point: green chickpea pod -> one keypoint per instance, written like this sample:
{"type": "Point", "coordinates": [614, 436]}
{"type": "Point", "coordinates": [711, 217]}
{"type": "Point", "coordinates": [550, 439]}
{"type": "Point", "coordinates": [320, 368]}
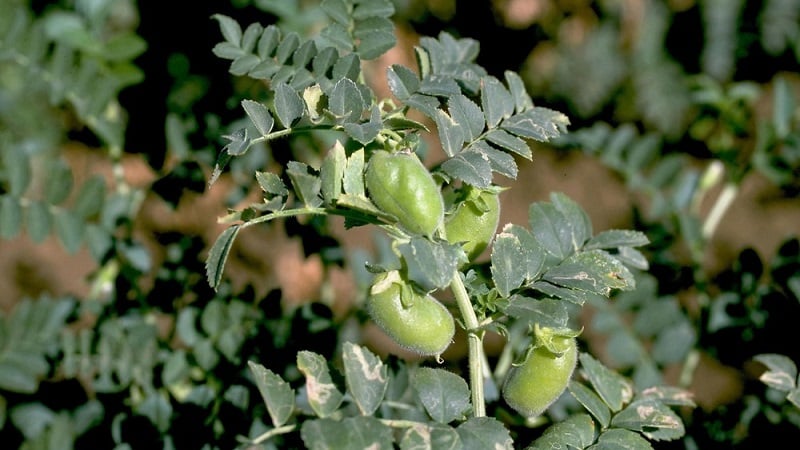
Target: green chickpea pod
{"type": "Point", "coordinates": [417, 322]}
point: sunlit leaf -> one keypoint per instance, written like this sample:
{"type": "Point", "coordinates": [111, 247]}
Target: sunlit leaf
{"type": "Point", "coordinates": [403, 82]}
{"type": "Point", "coordinates": [230, 28]}
{"type": "Point", "coordinates": [353, 182]}
{"type": "Point", "coordinates": [520, 95]}
{"type": "Point", "coordinates": [323, 396]}
{"type": "Point", "coordinates": [305, 184]}
{"type": "Point", "coordinates": [324, 61]}
{"type": "Point", "coordinates": [348, 66]}
{"type": "Point", "coordinates": [509, 142]}
{"type": "Point", "coordinates": [470, 166]}
{"type": "Point", "coordinates": [451, 134]}
{"type": "Point", "coordinates": [366, 377]}
{"type": "Point", "coordinates": [467, 114]}
{"type": "Point", "coordinates": [277, 394]}
{"type": "Point", "coordinates": [499, 161]}
{"type": "Point", "coordinates": [496, 101]}
{"type": "Point", "coordinates": [509, 263]}
{"type": "Point", "coordinates": [332, 172]}
{"type": "Point", "coordinates": [538, 123]}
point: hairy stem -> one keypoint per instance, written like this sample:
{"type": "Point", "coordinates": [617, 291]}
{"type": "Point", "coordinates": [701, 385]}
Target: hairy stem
{"type": "Point", "coordinates": [475, 343]}
{"type": "Point", "coordinates": [274, 432]}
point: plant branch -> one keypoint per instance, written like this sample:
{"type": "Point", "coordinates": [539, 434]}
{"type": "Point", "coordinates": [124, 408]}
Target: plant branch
{"type": "Point", "coordinates": [274, 432]}
{"type": "Point", "coordinates": [724, 201]}
{"type": "Point", "coordinates": [475, 343]}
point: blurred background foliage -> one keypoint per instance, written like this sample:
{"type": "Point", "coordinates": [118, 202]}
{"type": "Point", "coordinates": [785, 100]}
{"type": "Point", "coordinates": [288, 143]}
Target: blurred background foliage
{"type": "Point", "coordinates": [111, 117]}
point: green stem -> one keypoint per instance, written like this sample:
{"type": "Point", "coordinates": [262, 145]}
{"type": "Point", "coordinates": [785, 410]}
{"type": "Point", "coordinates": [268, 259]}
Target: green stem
{"type": "Point", "coordinates": [274, 432]}
{"type": "Point", "coordinates": [400, 423]}
{"type": "Point", "coordinates": [282, 214]}
{"type": "Point", "coordinates": [287, 131]}
{"type": "Point", "coordinates": [688, 370]}
{"type": "Point", "coordinates": [475, 343]}
{"type": "Point", "coordinates": [722, 204]}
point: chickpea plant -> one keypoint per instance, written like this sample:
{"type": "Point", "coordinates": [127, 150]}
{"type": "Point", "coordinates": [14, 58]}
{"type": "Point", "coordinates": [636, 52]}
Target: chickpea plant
{"type": "Point", "coordinates": [439, 220]}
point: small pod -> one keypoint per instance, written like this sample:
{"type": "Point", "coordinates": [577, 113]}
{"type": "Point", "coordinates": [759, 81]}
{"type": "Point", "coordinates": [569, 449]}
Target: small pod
{"type": "Point", "coordinates": [399, 184]}
{"type": "Point", "coordinates": [474, 222]}
{"type": "Point", "coordinates": [533, 386]}
{"type": "Point", "coordinates": [416, 322]}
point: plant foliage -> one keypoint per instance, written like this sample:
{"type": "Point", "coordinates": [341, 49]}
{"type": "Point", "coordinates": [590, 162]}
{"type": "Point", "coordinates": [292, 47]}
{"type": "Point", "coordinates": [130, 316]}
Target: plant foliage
{"type": "Point", "coordinates": [165, 350]}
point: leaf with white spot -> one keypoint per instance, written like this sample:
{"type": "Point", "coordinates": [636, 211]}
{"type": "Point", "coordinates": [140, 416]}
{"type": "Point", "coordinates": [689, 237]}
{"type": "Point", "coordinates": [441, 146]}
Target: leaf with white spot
{"type": "Point", "coordinates": [781, 373]}
{"type": "Point", "coordinates": [323, 396]}
{"type": "Point", "coordinates": [651, 418]}
{"type": "Point", "coordinates": [595, 271]}
{"type": "Point", "coordinates": [366, 377]}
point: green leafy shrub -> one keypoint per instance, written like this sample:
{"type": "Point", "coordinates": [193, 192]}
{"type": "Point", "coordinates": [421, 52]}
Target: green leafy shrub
{"type": "Point", "coordinates": [157, 355]}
